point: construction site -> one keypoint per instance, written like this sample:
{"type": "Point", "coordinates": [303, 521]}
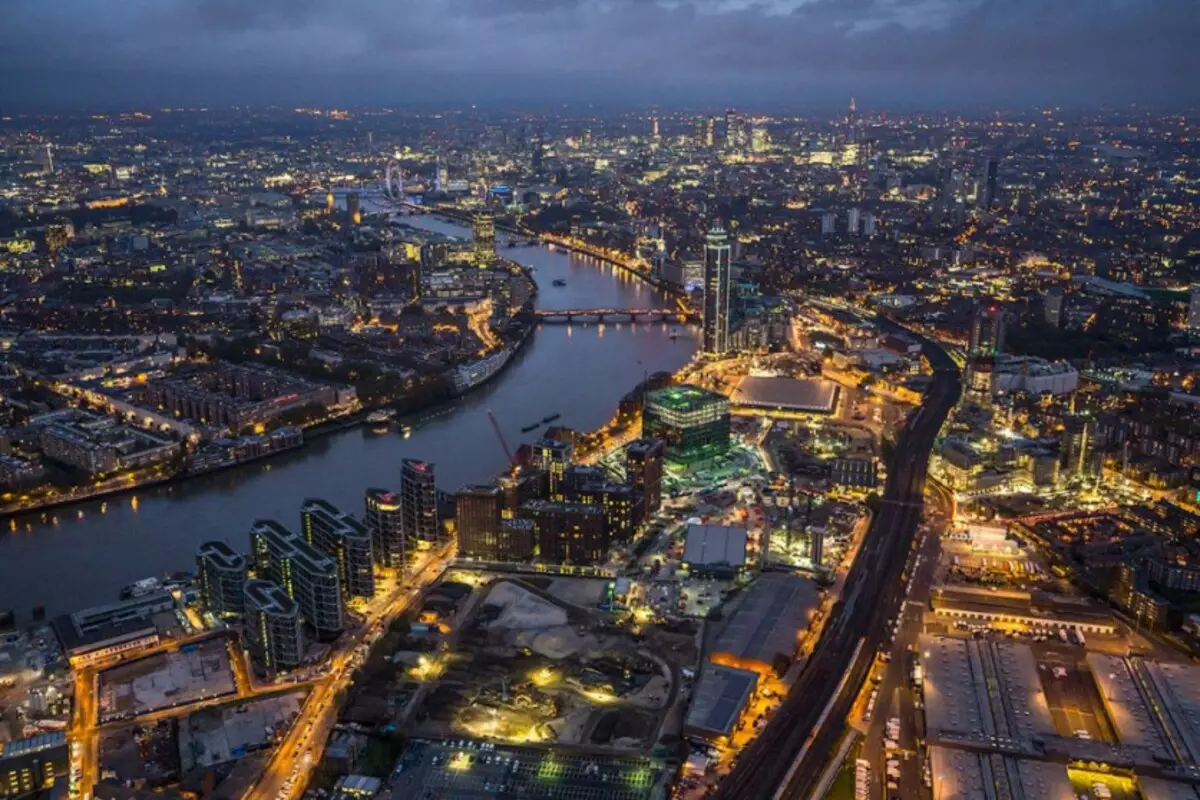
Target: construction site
{"type": "Point", "coordinates": [532, 660]}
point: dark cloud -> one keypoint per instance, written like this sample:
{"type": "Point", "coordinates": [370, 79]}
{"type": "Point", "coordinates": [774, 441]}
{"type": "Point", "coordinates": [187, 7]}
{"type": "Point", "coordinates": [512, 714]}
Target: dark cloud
{"type": "Point", "coordinates": [781, 52]}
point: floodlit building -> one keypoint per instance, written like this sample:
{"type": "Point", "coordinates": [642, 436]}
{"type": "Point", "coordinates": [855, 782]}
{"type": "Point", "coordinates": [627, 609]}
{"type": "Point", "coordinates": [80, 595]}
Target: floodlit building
{"type": "Point", "coordinates": [221, 574]}
{"type": "Point", "coordinates": [693, 422]}
{"type": "Point", "coordinates": [273, 632]}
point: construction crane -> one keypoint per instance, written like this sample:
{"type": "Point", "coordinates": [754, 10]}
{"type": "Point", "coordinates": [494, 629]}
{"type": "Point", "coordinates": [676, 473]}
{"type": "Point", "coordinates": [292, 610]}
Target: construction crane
{"type": "Point", "coordinates": [512, 461]}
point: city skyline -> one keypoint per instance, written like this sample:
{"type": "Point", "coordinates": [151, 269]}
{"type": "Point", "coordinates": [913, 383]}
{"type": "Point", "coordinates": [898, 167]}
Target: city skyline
{"type": "Point", "coordinates": [784, 54]}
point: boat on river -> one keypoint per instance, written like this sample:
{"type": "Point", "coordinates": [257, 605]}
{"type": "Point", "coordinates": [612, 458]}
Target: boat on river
{"type": "Point", "coordinates": [558, 282]}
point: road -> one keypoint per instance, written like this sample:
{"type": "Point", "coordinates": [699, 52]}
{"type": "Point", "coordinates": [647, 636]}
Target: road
{"type": "Point", "coordinates": [84, 733]}
{"type": "Point", "coordinates": [291, 766]}
{"type": "Point", "coordinates": [897, 696]}
{"type": "Point", "coordinates": [786, 760]}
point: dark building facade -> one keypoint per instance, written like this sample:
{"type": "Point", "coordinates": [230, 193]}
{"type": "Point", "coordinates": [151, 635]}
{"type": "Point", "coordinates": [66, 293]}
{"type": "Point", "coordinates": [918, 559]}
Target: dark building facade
{"type": "Point", "coordinates": [220, 574]}
{"type": "Point", "coordinates": [567, 533]}
{"type": "Point", "coordinates": [644, 470]}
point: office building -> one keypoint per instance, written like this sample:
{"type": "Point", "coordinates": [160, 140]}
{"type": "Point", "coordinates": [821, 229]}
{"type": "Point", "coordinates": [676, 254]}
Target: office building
{"type": "Point", "coordinates": [308, 576]}
{"type": "Point", "coordinates": [29, 766]}
{"type": "Point", "coordinates": [553, 457]}
{"type": "Point", "coordinates": [1052, 307]}
{"type": "Point", "coordinates": [353, 211]}
{"type": "Point", "coordinates": [567, 533]}
{"type": "Point", "coordinates": [527, 483]}
{"type": "Point", "coordinates": [622, 505]}
{"type": "Point", "coordinates": [385, 520]}
{"type": "Point", "coordinates": [1077, 447]}
{"type": "Point", "coordinates": [643, 470]}
{"type": "Point", "coordinates": [693, 422]}
{"type": "Point", "coordinates": [221, 573]}
{"type": "Point", "coordinates": [816, 545]}
{"type": "Point", "coordinates": [828, 223]}
{"type": "Point", "coordinates": [1193, 317]}
{"type": "Point", "coordinates": [852, 221]}
{"type": "Point", "coordinates": [987, 332]}
{"type": "Point", "coordinates": [273, 632]}
{"type": "Point", "coordinates": [990, 186]}
{"type": "Point", "coordinates": [479, 512]}
{"type": "Point", "coordinates": [735, 132]}
{"type": "Point", "coordinates": [869, 221]}
{"type": "Point", "coordinates": [418, 504]}
{"type": "Point", "coordinates": [346, 540]}
{"type": "Point", "coordinates": [98, 634]}
{"type": "Point", "coordinates": [483, 239]}
{"type": "Point", "coordinates": [716, 292]}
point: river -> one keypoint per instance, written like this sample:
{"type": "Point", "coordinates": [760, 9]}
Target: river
{"type": "Point", "coordinates": [82, 555]}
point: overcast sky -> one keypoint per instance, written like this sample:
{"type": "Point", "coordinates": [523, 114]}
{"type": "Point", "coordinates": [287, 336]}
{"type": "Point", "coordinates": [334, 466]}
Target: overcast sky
{"type": "Point", "coordinates": [772, 54]}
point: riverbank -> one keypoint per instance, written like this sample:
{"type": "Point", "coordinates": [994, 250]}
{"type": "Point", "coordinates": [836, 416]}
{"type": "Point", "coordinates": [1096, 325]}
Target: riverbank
{"type": "Point", "coordinates": [311, 435]}
{"type": "Point", "coordinates": [581, 371]}
{"type": "Point", "coordinates": [557, 241]}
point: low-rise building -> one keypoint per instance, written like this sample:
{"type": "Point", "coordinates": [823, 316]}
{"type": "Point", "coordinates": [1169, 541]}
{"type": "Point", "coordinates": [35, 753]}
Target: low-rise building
{"type": "Point", "coordinates": [99, 445]}
{"type": "Point", "coordinates": [715, 551]}
{"type": "Point", "coordinates": [719, 700]}
{"type": "Point", "coordinates": [98, 633]}
{"type": "Point", "coordinates": [29, 766]}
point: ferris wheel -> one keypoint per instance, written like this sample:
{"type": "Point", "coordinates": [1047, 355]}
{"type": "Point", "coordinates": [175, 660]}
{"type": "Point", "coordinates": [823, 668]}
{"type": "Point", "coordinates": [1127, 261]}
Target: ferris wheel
{"type": "Point", "coordinates": [393, 184]}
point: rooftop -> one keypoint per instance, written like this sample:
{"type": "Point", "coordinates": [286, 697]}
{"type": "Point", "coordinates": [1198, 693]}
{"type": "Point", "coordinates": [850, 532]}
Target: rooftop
{"type": "Point", "coordinates": [791, 394]}
{"type": "Point", "coordinates": [269, 597]}
{"type": "Point", "coordinates": [720, 695]}
{"type": "Point", "coordinates": [715, 544]}
{"type": "Point", "coordinates": [683, 397]}
{"type": "Point", "coordinates": [222, 555]}
{"type": "Point", "coordinates": [125, 620]}
{"type": "Point", "coordinates": [766, 624]}
{"type": "Point", "coordinates": [34, 744]}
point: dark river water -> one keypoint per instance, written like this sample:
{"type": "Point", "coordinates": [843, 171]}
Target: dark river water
{"type": "Point", "coordinates": [83, 555]}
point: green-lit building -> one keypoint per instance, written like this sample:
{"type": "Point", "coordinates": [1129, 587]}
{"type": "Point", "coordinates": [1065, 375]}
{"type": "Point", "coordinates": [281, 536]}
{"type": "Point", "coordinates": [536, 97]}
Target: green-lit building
{"type": "Point", "coordinates": [694, 423]}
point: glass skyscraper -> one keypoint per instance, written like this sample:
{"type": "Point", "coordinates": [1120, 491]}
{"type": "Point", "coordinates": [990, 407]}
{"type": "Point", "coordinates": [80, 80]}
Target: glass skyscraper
{"type": "Point", "coordinates": [716, 292]}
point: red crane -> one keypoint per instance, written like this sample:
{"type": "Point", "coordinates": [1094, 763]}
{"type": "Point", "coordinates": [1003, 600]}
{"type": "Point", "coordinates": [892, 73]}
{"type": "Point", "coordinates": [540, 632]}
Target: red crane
{"type": "Point", "coordinates": [512, 461]}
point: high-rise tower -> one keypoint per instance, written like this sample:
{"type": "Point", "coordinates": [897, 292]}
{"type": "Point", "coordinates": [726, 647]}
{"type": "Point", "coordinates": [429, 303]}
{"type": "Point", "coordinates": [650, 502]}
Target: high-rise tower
{"type": "Point", "coordinates": [418, 504]}
{"type": "Point", "coordinates": [483, 235]}
{"type": "Point", "coordinates": [716, 291]}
